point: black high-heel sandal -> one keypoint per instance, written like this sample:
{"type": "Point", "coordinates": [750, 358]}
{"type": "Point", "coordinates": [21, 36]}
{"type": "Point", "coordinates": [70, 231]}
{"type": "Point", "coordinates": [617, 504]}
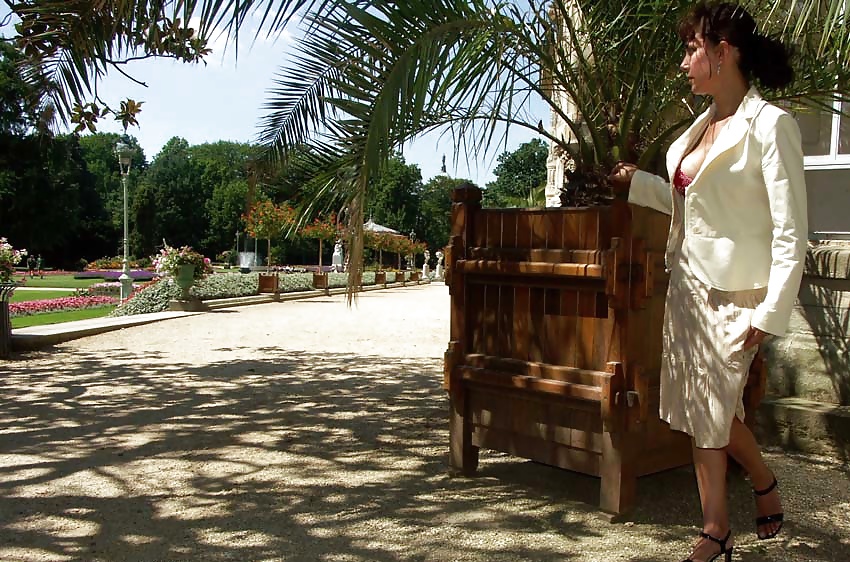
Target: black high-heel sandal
{"type": "Point", "coordinates": [768, 519]}
{"type": "Point", "coordinates": [723, 549]}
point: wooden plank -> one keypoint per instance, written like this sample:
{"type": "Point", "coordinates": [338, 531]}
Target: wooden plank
{"type": "Point", "coordinates": [551, 336]}
{"type": "Point", "coordinates": [570, 231]}
{"type": "Point", "coordinates": [592, 304]}
{"type": "Point", "coordinates": [523, 230]}
{"type": "Point", "coordinates": [591, 228]}
{"type": "Point", "coordinates": [618, 471]}
{"type": "Point", "coordinates": [549, 255]}
{"type": "Point", "coordinates": [531, 369]}
{"type": "Point", "coordinates": [509, 230]}
{"type": "Point", "coordinates": [531, 384]}
{"type": "Point", "coordinates": [491, 409]}
{"type": "Point", "coordinates": [537, 230]}
{"type": "Point", "coordinates": [463, 455]}
{"type": "Point", "coordinates": [586, 336]}
{"type": "Point", "coordinates": [535, 336]}
{"type": "Point", "coordinates": [612, 404]}
{"type": "Point", "coordinates": [522, 322]}
{"type": "Point", "coordinates": [505, 321]}
{"type": "Point", "coordinates": [585, 462]}
{"type": "Point", "coordinates": [478, 234]}
{"type": "Point", "coordinates": [491, 267]}
{"type": "Point", "coordinates": [489, 321]}
{"type": "Point", "coordinates": [569, 329]}
{"type": "Point", "coordinates": [581, 228]}
{"type": "Point", "coordinates": [493, 220]}
{"type": "Point", "coordinates": [475, 318]}
{"type": "Point", "coordinates": [553, 224]}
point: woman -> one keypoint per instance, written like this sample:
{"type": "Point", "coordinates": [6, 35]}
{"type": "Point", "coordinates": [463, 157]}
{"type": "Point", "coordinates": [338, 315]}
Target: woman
{"type": "Point", "coordinates": [735, 251]}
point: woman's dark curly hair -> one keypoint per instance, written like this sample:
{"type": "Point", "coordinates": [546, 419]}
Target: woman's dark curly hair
{"type": "Point", "coordinates": [765, 58]}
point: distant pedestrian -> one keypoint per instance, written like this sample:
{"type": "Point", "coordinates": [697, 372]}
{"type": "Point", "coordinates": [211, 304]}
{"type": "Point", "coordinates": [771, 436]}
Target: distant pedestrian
{"type": "Point", "coordinates": [31, 266]}
{"type": "Point", "coordinates": [38, 266]}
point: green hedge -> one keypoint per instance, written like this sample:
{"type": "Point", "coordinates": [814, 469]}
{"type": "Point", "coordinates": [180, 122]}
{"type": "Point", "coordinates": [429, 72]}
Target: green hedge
{"type": "Point", "coordinates": [155, 297]}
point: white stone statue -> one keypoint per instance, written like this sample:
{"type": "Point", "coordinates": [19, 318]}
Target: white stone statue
{"type": "Point", "coordinates": [426, 269]}
{"type": "Point", "coordinates": [438, 272]}
{"type": "Point", "coordinates": [338, 259]}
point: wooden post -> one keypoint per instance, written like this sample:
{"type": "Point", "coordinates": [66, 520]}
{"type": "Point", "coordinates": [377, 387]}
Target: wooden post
{"type": "Point", "coordinates": [618, 472]}
{"type": "Point", "coordinates": [617, 467]}
{"type": "Point", "coordinates": [463, 456]}
{"type": "Point", "coordinates": [6, 290]}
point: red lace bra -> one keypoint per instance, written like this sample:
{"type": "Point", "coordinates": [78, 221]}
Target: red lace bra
{"type": "Point", "coordinates": [681, 180]}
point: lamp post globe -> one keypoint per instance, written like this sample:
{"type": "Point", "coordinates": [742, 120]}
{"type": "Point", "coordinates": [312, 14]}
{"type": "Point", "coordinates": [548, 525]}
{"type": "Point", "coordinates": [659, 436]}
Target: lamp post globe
{"type": "Point", "coordinates": [124, 154]}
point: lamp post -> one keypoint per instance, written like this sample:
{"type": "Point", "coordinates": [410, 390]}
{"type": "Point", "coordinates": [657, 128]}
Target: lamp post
{"type": "Point", "coordinates": [238, 260]}
{"type": "Point", "coordinates": [124, 154]}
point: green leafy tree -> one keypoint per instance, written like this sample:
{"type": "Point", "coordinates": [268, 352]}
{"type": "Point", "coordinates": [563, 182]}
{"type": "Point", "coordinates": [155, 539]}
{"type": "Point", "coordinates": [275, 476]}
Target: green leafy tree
{"type": "Point", "coordinates": [323, 229]}
{"type": "Point", "coordinates": [102, 164]}
{"type": "Point", "coordinates": [520, 173]}
{"type": "Point", "coordinates": [270, 221]}
{"type": "Point", "coordinates": [169, 202]}
{"type": "Point", "coordinates": [224, 209]}
{"type": "Point", "coordinates": [395, 194]}
{"type": "Point", "coordinates": [435, 209]}
{"type": "Point", "coordinates": [18, 98]}
{"type": "Point", "coordinates": [49, 202]}
{"type": "Point", "coordinates": [224, 169]}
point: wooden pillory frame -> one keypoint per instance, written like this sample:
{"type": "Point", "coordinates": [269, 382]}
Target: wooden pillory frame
{"type": "Point", "coordinates": [555, 345]}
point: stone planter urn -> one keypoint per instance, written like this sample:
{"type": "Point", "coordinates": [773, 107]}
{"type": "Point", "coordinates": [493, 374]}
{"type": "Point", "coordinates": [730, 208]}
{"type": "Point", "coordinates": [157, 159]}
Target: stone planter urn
{"type": "Point", "coordinates": [6, 290]}
{"type": "Point", "coordinates": [185, 278]}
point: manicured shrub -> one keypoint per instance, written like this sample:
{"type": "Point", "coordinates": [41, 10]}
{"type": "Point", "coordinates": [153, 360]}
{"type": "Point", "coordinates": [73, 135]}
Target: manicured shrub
{"type": "Point", "coordinates": [226, 285]}
{"type": "Point", "coordinates": [152, 297]}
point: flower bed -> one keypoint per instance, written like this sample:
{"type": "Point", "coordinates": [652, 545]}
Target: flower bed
{"type": "Point", "coordinates": [135, 274]}
{"type": "Point", "coordinates": [154, 297]}
{"type": "Point", "coordinates": [61, 304]}
{"type": "Point", "coordinates": [108, 289]}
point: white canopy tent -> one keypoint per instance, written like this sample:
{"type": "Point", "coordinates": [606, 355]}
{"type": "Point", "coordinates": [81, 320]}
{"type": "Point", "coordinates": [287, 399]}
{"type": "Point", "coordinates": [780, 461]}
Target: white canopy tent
{"type": "Point", "coordinates": [372, 226]}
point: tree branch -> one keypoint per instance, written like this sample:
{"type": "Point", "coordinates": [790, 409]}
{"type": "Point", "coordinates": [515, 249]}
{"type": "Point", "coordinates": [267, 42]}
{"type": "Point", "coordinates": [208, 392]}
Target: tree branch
{"type": "Point", "coordinates": [119, 69]}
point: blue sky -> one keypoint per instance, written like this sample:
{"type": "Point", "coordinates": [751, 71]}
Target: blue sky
{"type": "Point", "coordinates": [223, 100]}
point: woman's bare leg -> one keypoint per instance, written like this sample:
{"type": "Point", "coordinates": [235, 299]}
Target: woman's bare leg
{"type": "Point", "coordinates": [746, 451]}
{"type": "Point", "coordinates": [710, 467]}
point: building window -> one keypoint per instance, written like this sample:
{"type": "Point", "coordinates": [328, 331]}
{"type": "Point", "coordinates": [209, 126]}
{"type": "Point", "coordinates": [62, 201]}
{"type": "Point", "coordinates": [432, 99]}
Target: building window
{"type": "Point", "coordinates": [826, 137]}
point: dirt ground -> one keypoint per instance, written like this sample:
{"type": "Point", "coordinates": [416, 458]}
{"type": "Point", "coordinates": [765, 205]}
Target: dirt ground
{"type": "Point", "coordinates": [308, 431]}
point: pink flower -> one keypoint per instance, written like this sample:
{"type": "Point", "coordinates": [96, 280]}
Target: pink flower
{"type": "Point", "coordinates": [27, 308]}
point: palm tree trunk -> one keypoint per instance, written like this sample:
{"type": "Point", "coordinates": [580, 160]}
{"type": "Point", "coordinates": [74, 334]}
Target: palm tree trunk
{"type": "Point", "coordinates": [320, 255]}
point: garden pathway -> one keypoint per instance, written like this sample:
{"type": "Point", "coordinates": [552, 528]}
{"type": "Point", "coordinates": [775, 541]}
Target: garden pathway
{"type": "Point", "coordinates": [308, 431]}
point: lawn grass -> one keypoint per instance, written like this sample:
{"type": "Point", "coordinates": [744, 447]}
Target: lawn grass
{"type": "Point", "coordinates": [21, 296]}
{"type": "Point", "coordinates": [64, 281]}
{"type": "Point", "coordinates": [57, 317]}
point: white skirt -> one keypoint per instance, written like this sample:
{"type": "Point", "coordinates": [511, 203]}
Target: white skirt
{"type": "Point", "coordinates": [704, 370]}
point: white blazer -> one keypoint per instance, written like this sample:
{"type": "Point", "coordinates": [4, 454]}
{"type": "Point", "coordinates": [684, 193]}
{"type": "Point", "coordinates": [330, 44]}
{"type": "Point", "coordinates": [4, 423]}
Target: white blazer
{"type": "Point", "coordinates": [745, 211]}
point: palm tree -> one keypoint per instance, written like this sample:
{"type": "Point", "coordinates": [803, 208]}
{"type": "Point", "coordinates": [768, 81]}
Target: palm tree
{"type": "Point", "coordinates": [368, 76]}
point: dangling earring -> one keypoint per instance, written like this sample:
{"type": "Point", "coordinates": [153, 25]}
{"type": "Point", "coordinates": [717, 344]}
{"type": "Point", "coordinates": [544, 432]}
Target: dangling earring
{"type": "Point", "coordinates": [718, 68]}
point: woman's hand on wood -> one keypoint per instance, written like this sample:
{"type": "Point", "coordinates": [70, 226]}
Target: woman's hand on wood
{"type": "Point", "coordinates": [754, 337]}
{"type": "Point", "coordinates": [621, 178]}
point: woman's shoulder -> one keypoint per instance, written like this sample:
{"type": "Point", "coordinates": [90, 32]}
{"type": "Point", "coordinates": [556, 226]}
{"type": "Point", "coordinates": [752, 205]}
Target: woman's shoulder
{"type": "Point", "coordinates": [773, 118]}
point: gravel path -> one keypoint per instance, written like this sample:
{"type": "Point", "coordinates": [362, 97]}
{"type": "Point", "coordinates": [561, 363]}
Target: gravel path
{"type": "Point", "coordinates": [307, 431]}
